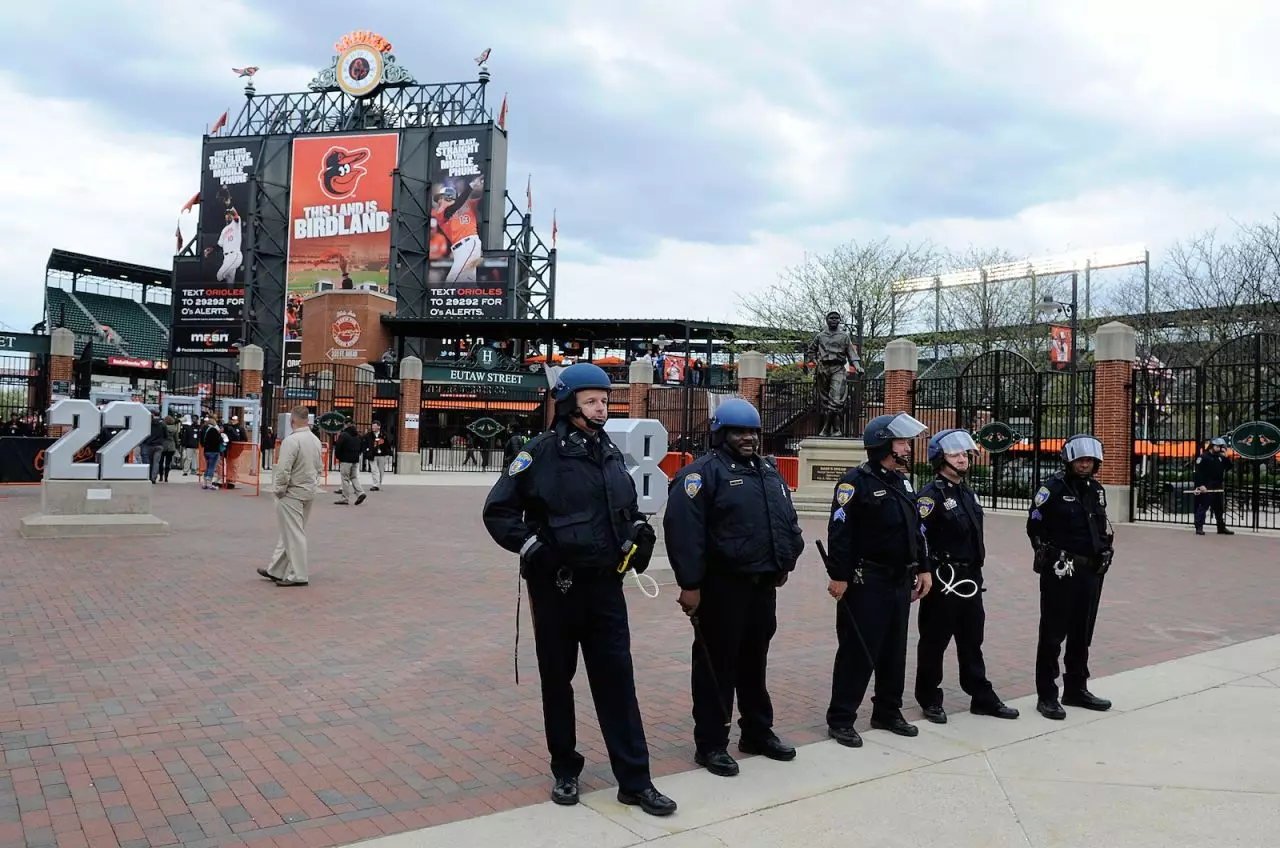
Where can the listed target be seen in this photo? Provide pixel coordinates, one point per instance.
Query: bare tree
(849, 275)
(1263, 287)
(1210, 278)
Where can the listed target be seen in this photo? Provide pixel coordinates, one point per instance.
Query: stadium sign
(476, 377)
(24, 343)
(362, 63)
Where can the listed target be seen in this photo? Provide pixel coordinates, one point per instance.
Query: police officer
(733, 538)
(567, 505)
(876, 549)
(952, 519)
(1210, 481)
(1072, 537)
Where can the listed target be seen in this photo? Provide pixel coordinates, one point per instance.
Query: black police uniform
(952, 519)
(732, 533)
(572, 491)
(875, 546)
(1211, 472)
(1069, 529)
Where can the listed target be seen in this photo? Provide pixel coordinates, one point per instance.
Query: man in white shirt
(294, 478)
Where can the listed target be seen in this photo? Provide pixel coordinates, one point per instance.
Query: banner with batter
(339, 216)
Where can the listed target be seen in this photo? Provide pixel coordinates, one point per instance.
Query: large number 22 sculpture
(86, 422)
(643, 442)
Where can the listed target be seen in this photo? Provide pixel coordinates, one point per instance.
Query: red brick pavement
(158, 692)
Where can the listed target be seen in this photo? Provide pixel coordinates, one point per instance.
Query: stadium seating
(136, 333)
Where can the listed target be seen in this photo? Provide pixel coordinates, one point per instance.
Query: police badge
(693, 485)
(1042, 495)
(844, 492)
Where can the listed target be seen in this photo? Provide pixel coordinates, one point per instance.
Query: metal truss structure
(535, 282)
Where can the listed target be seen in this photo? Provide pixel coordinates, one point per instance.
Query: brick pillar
(1115, 347)
(640, 378)
(362, 403)
(251, 360)
(751, 376)
(408, 459)
(62, 357)
(901, 360)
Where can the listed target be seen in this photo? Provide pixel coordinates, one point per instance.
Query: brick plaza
(158, 692)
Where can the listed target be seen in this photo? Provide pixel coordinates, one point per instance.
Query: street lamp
(1049, 306)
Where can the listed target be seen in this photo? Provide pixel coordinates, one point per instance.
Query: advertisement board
(224, 199)
(340, 198)
(487, 295)
(207, 316)
(460, 162)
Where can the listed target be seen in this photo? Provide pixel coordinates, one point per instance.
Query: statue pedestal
(94, 508)
(823, 462)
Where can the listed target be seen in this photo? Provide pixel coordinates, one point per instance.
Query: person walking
(347, 449)
(169, 446)
(295, 478)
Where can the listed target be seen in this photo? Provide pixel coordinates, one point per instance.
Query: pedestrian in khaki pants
(295, 477)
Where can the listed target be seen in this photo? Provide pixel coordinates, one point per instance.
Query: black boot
(773, 748)
(565, 791)
(846, 736)
(995, 708)
(717, 761)
(1050, 708)
(1082, 697)
(650, 800)
(895, 724)
(935, 713)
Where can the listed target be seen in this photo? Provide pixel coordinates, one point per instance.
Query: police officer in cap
(1210, 479)
(952, 520)
(874, 562)
(567, 506)
(733, 538)
(1072, 537)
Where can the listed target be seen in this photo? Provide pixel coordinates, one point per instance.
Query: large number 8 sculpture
(643, 442)
(86, 422)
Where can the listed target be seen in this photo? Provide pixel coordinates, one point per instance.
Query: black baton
(826, 561)
(711, 668)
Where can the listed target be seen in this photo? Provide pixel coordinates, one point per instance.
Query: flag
(502, 114)
(554, 229)
(219, 124)
(177, 233)
(195, 198)
(528, 193)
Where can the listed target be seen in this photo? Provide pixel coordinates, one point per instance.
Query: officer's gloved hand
(538, 559)
(646, 540)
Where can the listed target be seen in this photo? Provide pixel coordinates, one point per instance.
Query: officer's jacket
(874, 523)
(1069, 513)
(952, 519)
(730, 515)
(573, 492)
(1211, 470)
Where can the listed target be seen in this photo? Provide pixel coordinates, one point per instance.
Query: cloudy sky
(692, 150)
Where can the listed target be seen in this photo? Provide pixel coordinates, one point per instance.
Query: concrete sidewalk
(1186, 758)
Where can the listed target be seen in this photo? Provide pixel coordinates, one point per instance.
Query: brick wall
(410, 404)
(752, 389)
(1112, 419)
(898, 391)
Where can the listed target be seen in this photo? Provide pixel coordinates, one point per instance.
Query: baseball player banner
(207, 315)
(224, 197)
(488, 295)
(339, 216)
(460, 158)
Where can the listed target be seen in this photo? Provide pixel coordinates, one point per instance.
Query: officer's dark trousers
(941, 616)
(1205, 503)
(1068, 610)
(737, 617)
(593, 615)
(882, 608)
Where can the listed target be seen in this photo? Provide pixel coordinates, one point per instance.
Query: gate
(1001, 385)
(789, 412)
(205, 378)
(466, 427)
(24, 394)
(324, 387)
(1176, 411)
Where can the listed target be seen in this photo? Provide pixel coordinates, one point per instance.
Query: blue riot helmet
(1218, 442)
(1082, 446)
(949, 443)
(735, 413)
(882, 430)
(574, 379)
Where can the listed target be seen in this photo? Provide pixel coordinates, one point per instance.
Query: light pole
(1049, 306)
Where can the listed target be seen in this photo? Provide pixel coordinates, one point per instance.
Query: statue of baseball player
(833, 353)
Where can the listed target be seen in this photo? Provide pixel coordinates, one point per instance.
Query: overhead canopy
(79, 264)
(551, 329)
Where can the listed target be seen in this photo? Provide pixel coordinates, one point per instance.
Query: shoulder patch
(522, 461)
(925, 505)
(693, 484)
(906, 484)
(1042, 495)
(844, 493)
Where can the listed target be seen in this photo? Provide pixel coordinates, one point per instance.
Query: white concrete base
(1119, 502)
(80, 508)
(823, 462)
(408, 463)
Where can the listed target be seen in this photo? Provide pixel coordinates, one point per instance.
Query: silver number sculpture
(86, 422)
(643, 442)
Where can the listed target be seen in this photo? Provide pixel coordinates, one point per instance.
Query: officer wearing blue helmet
(874, 562)
(952, 519)
(732, 538)
(1071, 536)
(567, 506)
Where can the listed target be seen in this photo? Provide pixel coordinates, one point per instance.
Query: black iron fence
(467, 428)
(24, 394)
(207, 378)
(789, 412)
(1176, 411)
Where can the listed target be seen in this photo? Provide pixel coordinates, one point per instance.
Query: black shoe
(291, 582)
(895, 724)
(342, 503)
(717, 761)
(565, 792)
(1084, 698)
(360, 499)
(1050, 708)
(773, 748)
(935, 713)
(1223, 531)
(374, 488)
(650, 800)
(846, 736)
(262, 572)
(995, 709)
(1199, 531)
